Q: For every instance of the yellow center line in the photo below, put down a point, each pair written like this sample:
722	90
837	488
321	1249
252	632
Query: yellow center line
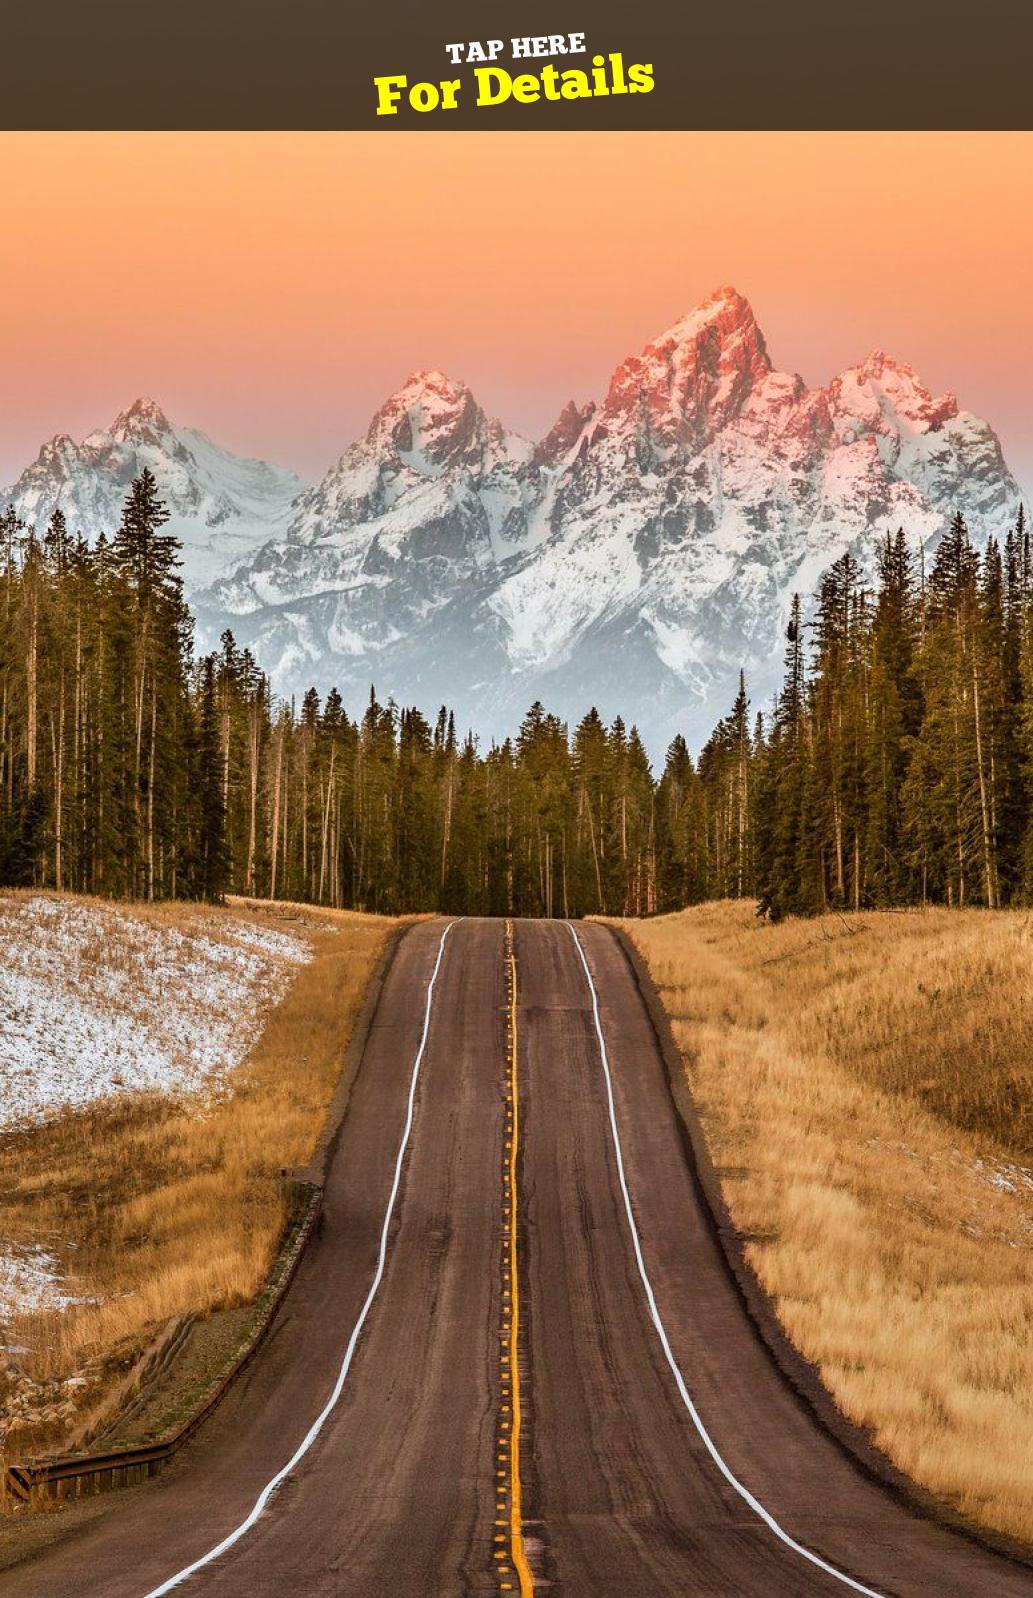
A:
516	1528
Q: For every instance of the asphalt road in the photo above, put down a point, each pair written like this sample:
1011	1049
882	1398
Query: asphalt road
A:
405	1489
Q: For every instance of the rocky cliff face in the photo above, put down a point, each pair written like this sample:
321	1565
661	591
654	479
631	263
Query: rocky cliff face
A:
635	558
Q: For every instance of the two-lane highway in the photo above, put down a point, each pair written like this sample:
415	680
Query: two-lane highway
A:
633	1499
513	1359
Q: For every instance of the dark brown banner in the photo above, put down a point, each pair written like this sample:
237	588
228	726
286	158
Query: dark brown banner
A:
316	64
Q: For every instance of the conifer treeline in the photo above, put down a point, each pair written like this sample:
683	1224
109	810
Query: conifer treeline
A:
100	760
895	768
898	766
129	769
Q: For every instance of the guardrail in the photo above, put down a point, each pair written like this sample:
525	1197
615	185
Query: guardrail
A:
29	1483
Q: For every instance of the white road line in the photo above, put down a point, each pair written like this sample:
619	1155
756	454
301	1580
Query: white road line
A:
710	1445
317	1425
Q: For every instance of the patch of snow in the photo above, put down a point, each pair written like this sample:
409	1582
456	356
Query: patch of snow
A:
1006	1178
96	1003
281	945
30	1282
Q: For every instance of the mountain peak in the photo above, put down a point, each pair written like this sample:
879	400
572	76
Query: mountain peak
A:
877	364
433	377
58	454
692	379
428	385
883	387
143	419
725	309
425	392
721	331
221	506
431	420
564	433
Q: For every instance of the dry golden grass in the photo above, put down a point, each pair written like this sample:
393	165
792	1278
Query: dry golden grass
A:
158	1207
866	1084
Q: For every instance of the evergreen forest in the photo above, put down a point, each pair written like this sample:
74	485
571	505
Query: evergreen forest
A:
894	768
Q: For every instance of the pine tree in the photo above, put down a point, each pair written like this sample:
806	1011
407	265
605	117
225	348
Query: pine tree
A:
210	872
895	873
781	836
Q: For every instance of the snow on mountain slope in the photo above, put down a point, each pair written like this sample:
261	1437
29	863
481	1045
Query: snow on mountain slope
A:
709	486
434	500
223	508
634	558
639	555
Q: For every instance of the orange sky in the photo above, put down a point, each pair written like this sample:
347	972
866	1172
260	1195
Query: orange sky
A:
274	288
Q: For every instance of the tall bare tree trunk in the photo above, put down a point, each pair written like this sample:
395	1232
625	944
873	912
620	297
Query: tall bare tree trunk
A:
446	831
252	837
595	861
744	799
32	684
326	824
274	848
78	782
150	791
989	865
59	790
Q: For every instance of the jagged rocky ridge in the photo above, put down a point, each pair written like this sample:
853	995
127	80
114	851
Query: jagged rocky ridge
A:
634	558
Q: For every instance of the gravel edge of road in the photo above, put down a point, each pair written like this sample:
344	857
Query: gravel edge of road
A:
316	1169
803	1377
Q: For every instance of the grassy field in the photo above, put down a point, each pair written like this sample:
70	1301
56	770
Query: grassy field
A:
156	1204
866	1085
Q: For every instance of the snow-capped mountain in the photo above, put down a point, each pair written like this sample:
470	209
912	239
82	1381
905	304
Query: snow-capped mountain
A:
400	544
223	508
635	558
